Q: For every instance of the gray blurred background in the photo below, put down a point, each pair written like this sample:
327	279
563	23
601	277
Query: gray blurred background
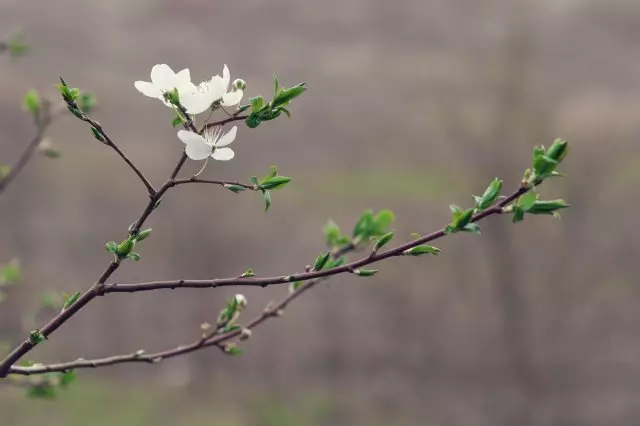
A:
412	105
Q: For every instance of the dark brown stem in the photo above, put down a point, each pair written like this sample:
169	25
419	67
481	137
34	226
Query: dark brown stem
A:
43	121
214	182
311	278
283	279
222	122
156	357
109	142
97	289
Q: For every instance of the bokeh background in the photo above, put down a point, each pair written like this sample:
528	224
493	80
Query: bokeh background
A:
412	105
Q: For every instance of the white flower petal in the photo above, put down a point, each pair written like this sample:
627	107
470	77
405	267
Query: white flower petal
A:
148	89
232	98
188	137
183	76
214	88
223	154
195	102
226	76
228	137
163	77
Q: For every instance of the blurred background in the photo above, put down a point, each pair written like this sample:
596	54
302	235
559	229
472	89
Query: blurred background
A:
412	105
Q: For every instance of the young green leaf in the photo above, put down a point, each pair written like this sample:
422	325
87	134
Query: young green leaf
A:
97	134
321	261
134	256
275	182
490	195
125	247
31	102
526	201
267	200
232	350
287	95
10	273
70	300
337	262
257	103
364	225
421	250
87	101
66	378
518	214
472	227
383	241
460	218
234	188
558	150
231	327
36	337
248	273
111	246
365	272
332	233
176	122
143	235
550	207
52	153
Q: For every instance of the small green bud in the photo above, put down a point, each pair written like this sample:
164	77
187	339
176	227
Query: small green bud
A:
383	241
31	102
234	188
36	337
239	84
253	121
321	261
558	150
240	301
365	272
142	235
124	248
423	249
275	182
70	300
548	207
134	256
490	195
248	273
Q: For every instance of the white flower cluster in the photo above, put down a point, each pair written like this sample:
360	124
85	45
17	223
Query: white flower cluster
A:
197	99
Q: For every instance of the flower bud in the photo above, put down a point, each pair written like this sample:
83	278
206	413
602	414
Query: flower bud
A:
240	300
245	334
239	84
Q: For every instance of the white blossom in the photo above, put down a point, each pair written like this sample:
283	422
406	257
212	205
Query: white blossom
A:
163	80
210	144
210	91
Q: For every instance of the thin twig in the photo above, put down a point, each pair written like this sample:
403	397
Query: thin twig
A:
43	121
73	106
312	277
305	276
141	356
222	122
98	287
177	182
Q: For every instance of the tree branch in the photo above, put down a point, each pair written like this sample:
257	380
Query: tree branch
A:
267	281
101	135
42	122
98	287
214	182
141	356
